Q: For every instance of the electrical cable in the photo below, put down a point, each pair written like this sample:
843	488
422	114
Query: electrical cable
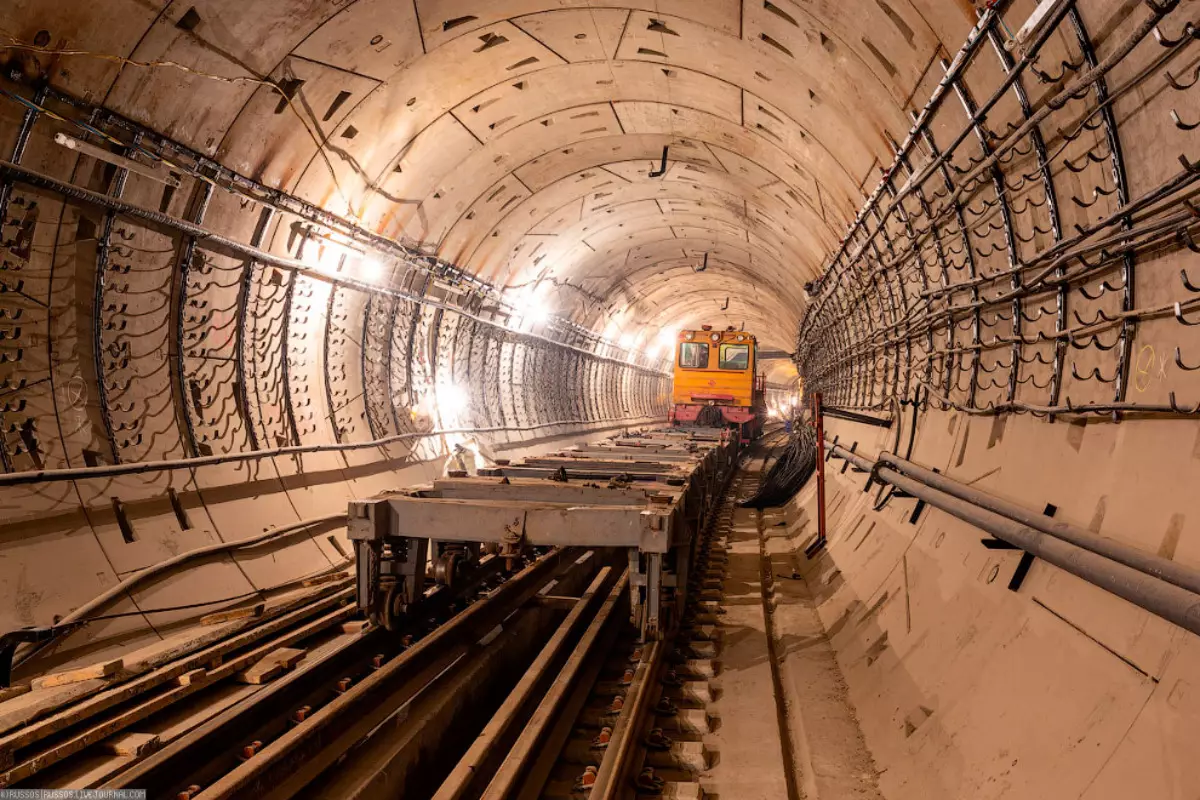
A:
790	471
244	596
16	44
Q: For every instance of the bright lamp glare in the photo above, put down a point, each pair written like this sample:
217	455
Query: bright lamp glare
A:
667	337
537	311
371	270
626	341
453	402
531	307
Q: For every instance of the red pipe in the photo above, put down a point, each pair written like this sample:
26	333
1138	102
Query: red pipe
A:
818	423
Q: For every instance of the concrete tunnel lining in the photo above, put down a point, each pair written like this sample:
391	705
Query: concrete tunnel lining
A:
484	252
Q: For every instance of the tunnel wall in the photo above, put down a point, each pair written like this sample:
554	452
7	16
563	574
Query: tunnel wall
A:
1028	244
126	342
966	686
1015	295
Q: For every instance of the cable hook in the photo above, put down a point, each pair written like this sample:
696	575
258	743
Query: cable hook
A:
1179	316
1179	362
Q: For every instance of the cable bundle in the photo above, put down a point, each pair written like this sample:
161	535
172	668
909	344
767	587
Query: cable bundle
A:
789	472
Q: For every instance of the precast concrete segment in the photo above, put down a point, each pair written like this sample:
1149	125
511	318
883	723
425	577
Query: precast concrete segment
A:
1138	578
1026	262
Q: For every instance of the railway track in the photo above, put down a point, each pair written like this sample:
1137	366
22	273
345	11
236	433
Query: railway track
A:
631	720
526	684
281	742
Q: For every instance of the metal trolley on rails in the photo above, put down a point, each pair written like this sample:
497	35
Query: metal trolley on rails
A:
650	494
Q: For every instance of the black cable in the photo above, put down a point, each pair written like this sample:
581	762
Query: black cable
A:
790	471
256	593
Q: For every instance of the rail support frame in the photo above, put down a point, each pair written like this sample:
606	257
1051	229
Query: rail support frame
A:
390	569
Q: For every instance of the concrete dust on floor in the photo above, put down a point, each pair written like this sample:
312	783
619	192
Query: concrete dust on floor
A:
749	762
834	761
790	732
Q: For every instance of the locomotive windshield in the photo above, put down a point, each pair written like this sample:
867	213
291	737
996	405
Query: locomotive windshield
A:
735	356
693	355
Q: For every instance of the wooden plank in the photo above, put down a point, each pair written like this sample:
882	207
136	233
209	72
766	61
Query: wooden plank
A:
107	698
355	626
10	692
102	669
89	769
218	617
74	744
64	748
271	665
131	744
322	579
191	676
30	706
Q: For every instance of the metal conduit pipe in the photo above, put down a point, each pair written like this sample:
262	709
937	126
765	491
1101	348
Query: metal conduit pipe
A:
1149	592
14	172
137	468
113	592
1149	563
122	587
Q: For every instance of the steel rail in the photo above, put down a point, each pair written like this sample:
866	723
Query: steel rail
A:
70	729
620	756
284	766
207	751
507	778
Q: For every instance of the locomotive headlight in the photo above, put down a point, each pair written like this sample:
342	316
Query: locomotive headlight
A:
741	338
716	337
689	336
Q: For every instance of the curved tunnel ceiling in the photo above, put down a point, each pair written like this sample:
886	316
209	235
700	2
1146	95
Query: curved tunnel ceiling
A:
372	203
517	139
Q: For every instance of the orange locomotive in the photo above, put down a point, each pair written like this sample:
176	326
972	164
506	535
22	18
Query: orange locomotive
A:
715	384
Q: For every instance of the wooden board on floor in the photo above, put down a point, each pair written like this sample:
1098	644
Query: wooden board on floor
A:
102	669
63	748
271	666
131	744
247	612
25	707
22	710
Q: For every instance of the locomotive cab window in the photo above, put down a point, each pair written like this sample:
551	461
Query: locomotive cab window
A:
735	356
693	355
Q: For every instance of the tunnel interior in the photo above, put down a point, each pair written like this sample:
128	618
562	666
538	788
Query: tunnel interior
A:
262	259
